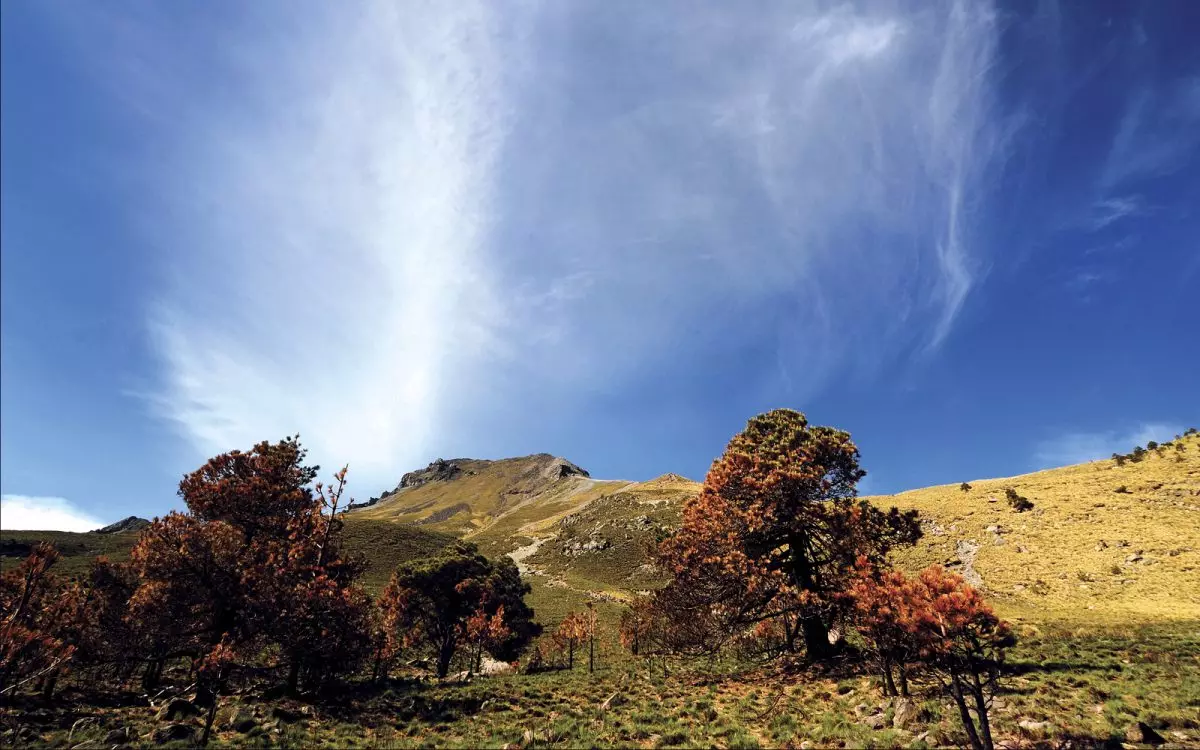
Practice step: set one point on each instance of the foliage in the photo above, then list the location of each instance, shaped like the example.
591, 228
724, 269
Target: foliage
965, 487
34, 607
1018, 502
428, 604
256, 561
776, 531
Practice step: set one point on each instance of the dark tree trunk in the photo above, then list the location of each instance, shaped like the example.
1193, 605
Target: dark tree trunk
591, 655
903, 679
985, 728
293, 679
965, 713
889, 686
571, 655
816, 638
445, 654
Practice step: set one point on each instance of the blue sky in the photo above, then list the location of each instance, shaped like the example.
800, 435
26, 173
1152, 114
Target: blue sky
966, 233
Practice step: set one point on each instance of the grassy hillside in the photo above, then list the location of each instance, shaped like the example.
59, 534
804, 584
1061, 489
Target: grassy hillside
1102, 542
385, 546
506, 497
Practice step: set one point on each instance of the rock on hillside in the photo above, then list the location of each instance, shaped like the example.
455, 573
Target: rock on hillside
468, 496
132, 523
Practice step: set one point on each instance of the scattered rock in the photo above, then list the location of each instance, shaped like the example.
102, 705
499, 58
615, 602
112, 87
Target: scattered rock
242, 721
174, 733
861, 709
967, 549
461, 678
1143, 734
1101, 545
1133, 558
285, 715
906, 712
1029, 725
1021, 550
179, 709
875, 721
490, 666
117, 736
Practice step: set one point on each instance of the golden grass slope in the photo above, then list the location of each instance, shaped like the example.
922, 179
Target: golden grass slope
509, 497
1086, 551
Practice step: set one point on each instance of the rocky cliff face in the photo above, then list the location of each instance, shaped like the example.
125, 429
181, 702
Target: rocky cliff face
440, 470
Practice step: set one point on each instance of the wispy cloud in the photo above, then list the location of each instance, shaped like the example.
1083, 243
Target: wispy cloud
379, 219
1079, 447
44, 514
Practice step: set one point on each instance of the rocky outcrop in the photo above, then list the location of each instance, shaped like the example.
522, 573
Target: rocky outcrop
440, 470
132, 523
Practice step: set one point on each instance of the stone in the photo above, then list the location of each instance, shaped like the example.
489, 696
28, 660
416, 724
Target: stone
1101, 545
179, 709
861, 709
1029, 725
1143, 734
1133, 558
285, 715
905, 714
875, 721
175, 733
117, 736
462, 678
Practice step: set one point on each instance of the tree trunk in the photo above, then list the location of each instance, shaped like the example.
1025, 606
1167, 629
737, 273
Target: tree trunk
591, 655
293, 680
889, 686
445, 654
816, 637
965, 713
903, 679
571, 655
985, 728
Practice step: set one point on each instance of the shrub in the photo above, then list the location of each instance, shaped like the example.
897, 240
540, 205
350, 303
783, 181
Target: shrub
1119, 459
1138, 454
1018, 502
1122, 490
965, 487
1152, 445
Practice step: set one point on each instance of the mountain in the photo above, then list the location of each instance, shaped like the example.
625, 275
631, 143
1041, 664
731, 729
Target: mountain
131, 523
1101, 542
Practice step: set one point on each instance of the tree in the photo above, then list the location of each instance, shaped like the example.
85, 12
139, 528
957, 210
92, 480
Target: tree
963, 642
776, 530
572, 632
965, 487
887, 610
428, 603
256, 560
34, 608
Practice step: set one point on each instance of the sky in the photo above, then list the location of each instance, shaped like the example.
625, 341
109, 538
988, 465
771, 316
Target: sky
966, 233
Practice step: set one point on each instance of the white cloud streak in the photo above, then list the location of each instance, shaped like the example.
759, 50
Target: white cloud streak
1080, 447
382, 216
44, 514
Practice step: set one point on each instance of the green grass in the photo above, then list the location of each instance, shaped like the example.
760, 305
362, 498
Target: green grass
1089, 687
385, 545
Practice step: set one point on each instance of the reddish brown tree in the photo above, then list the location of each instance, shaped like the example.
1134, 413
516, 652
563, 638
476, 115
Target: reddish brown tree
256, 560
887, 610
571, 633
776, 530
35, 610
964, 643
